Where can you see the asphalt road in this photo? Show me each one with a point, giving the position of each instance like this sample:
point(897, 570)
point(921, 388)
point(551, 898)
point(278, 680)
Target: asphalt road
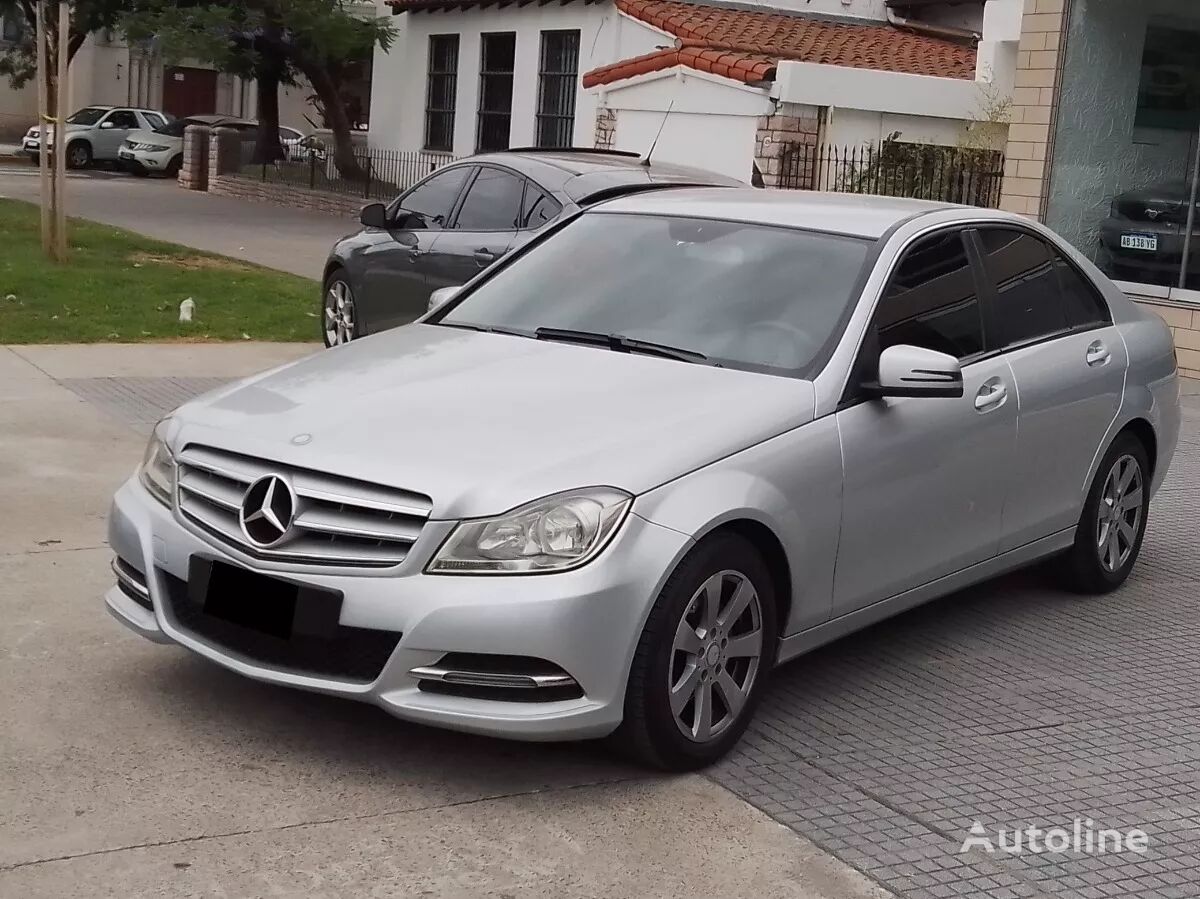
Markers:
point(290, 240)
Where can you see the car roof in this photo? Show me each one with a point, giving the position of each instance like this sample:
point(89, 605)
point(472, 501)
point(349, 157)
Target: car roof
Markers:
point(208, 119)
point(583, 174)
point(855, 214)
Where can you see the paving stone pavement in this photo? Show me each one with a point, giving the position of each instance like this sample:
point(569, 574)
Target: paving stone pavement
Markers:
point(1010, 704)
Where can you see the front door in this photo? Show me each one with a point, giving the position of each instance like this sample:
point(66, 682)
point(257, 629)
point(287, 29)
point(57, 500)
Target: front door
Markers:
point(1069, 363)
point(396, 284)
point(189, 91)
point(482, 231)
point(112, 131)
point(925, 479)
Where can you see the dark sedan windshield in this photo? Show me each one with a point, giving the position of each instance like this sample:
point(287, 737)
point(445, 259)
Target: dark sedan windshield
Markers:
point(744, 295)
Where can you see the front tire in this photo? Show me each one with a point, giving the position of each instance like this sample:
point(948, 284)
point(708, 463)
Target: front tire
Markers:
point(339, 315)
point(1109, 536)
point(79, 155)
point(703, 658)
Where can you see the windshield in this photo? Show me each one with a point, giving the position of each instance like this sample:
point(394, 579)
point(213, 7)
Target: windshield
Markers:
point(743, 295)
point(175, 128)
point(87, 116)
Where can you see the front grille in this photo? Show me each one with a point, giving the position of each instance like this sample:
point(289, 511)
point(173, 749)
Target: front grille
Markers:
point(1155, 213)
point(355, 654)
point(338, 521)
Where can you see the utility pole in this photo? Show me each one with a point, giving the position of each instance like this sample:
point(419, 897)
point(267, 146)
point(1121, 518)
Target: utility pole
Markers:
point(60, 150)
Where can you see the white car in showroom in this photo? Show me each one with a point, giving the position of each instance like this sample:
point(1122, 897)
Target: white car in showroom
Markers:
point(96, 133)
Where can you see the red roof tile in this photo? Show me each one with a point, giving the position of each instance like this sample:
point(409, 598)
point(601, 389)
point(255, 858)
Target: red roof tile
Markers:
point(745, 44)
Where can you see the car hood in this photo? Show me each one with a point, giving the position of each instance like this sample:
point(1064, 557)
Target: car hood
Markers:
point(486, 422)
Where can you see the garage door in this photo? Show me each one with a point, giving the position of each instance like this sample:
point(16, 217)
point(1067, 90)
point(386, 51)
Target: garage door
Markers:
point(188, 91)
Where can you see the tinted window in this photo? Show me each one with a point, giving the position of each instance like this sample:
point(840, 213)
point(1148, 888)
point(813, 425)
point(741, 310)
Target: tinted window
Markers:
point(748, 295)
point(932, 301)
point(1081, 301)
point(1028, 304)
point(123, 118)
point(155, 120)
point(177, 127)
point(432, 201)
point(538, 208)
point(493, 202)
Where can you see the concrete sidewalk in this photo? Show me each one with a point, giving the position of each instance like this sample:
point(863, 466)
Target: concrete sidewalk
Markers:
point(290, 240)
point(132, 769)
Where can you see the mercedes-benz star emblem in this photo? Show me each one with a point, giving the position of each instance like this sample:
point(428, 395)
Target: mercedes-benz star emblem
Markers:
point(1152, 214)
point(267, 511)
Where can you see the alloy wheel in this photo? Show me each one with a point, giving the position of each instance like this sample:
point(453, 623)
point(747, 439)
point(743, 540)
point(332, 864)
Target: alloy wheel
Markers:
point(1119, 515)
point(339, 314)
point(77, 156)
point(715, 656)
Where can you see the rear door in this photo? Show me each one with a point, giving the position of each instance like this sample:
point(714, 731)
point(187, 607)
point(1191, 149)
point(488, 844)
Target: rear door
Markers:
point(395, 285)
point(1069, 364)
point(483, 229)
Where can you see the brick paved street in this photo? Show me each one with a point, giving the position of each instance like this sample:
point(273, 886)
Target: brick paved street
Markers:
point(1011, 704)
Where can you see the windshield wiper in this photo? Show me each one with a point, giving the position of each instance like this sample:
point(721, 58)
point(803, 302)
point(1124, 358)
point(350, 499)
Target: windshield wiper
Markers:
point(486, 329)
point(620, 343)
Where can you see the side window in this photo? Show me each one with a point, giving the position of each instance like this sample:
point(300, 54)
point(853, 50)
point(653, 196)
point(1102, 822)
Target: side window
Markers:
point(154, 119)
point(932, 300)
point(1028, 303)
point(493, 202)
point(432, 201)
point(538, 209)
point(1083, 303)
point(122, 118)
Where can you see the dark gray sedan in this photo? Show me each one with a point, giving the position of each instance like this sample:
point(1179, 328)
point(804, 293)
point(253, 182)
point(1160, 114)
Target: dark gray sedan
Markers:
point(1144, 234)
point(456, 222)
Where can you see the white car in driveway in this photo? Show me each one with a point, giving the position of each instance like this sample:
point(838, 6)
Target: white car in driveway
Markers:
point(160, 151)
point(96, 133)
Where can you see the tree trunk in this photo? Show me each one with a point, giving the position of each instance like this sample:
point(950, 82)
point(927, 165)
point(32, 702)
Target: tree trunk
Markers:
point(267, 147)
point(335, 117)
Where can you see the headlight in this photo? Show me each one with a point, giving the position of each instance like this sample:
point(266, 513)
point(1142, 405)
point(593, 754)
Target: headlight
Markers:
point(552, 534)
point(157, 473)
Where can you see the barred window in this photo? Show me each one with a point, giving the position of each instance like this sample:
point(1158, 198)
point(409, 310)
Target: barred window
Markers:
point(497, 56)
point(558, 78)
point(440, 92)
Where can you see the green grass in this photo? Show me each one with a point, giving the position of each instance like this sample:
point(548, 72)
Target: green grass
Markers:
point(121, 287)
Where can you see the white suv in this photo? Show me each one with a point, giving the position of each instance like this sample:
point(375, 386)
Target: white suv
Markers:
point(96, 133)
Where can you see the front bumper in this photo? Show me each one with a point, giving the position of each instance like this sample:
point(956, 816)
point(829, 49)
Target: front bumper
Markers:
point(145, 161)
point(586, 621)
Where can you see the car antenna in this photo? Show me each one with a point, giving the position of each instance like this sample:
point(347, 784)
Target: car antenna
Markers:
point(661, 125)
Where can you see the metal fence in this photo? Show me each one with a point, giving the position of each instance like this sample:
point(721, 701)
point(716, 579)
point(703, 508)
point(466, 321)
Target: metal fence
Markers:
point(310, 165)
point(894, 169)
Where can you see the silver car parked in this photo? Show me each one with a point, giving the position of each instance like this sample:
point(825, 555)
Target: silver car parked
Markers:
point(680, 437)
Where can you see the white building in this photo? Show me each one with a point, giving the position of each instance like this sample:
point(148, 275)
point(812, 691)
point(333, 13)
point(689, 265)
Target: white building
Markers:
point(739, 80)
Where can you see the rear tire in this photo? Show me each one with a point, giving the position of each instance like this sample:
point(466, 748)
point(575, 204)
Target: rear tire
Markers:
point(1109, 536)
point(708, 644)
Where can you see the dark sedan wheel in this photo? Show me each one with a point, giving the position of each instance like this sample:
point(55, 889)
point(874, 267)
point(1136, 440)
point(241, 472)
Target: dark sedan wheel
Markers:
point(1109, 536)
point(703, 658)
point(339, 316)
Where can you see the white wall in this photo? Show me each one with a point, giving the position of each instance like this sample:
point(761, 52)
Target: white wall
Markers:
point(858, 127)
point(866, 9)
point(399, 80)
point(713, 122)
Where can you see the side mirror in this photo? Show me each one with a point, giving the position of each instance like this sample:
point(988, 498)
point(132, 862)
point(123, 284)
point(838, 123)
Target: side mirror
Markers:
point(104, 125)
point(916, 371)
point(442, 295)
point(374, 215)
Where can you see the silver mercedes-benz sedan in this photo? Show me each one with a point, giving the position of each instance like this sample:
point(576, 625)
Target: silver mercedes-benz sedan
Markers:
point(679, 438)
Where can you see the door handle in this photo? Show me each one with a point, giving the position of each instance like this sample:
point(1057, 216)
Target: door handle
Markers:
point(1097, 354)
point(991, 396)
point(484, 256)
